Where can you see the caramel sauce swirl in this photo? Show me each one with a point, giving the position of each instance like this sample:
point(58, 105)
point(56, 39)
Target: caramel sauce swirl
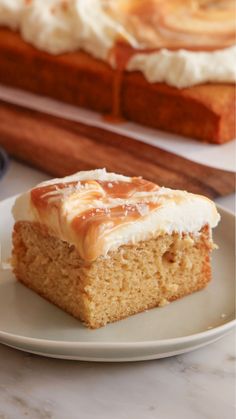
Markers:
point(174, 24)
point(96, 224)
point(89, 211)
point(44, 196)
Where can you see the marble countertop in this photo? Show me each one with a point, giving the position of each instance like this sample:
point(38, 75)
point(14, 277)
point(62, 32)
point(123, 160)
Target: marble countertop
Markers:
point(197, 385)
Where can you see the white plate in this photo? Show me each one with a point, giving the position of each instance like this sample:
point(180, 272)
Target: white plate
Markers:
point(31, 324)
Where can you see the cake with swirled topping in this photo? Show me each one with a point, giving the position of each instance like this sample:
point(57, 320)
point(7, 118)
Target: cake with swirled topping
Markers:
point(104, 246)
point(165, 64)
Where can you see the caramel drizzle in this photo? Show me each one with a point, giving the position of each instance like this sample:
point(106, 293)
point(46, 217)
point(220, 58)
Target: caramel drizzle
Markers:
point(174, 24)
point(119, 55)
point(91, 226)
point(45, 196)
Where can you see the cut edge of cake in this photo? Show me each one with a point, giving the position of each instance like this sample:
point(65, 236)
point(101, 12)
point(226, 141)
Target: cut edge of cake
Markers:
point(130, 280)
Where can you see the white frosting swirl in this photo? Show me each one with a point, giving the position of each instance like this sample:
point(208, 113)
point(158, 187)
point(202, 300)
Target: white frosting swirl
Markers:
point(186, 68)
point(58, 26)
point(10, 13)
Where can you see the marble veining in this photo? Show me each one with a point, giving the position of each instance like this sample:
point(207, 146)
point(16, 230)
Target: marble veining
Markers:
point(196, 385)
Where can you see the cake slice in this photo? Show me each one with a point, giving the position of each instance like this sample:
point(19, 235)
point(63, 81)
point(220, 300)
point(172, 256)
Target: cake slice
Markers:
point(103, 246)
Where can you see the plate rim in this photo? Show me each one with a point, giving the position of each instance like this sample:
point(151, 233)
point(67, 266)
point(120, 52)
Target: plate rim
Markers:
point(125, 357)
point(218, 330)
point(124, 345)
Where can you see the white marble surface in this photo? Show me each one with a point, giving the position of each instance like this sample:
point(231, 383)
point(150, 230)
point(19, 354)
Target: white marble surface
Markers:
point(197, 385)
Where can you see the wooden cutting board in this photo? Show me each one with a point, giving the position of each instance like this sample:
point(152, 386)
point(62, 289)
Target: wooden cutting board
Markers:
point(61, 147)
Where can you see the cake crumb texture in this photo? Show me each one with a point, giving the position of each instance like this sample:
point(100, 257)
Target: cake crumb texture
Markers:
point(131, 279)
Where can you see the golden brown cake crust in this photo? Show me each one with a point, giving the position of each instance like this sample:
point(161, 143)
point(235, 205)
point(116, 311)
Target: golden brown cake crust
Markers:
point(134, 278)
point(206, 112)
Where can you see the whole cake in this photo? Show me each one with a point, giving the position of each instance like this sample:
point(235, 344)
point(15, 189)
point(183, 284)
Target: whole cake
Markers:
point(103, 246)
point(165, 64)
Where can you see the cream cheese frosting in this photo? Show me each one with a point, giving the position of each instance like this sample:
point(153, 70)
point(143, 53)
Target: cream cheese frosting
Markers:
point(57, 26)
point(10, 13)
point(186, 68)
point(99, 211)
